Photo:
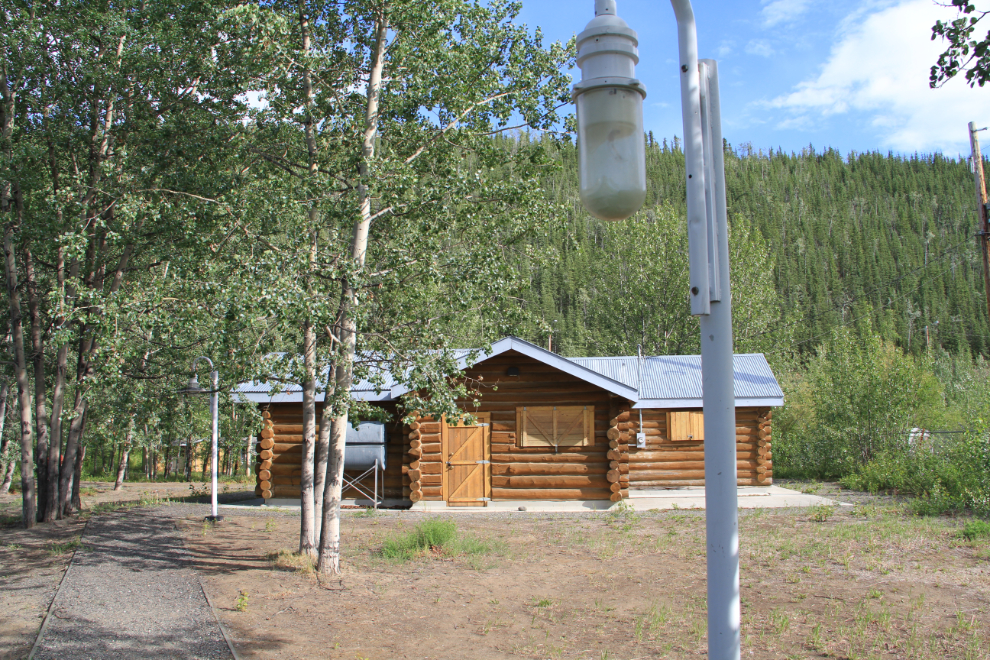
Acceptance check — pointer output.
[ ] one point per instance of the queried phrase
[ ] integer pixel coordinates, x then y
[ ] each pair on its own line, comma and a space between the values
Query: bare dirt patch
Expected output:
863, 582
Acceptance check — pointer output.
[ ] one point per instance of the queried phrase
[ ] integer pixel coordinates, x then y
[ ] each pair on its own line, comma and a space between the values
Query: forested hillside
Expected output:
865, 240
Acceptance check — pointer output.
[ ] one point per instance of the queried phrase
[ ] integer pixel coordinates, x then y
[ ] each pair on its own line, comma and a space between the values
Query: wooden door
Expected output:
467, 469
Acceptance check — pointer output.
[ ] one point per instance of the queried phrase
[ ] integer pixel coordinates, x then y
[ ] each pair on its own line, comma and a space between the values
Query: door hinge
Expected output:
482, 462
484, 499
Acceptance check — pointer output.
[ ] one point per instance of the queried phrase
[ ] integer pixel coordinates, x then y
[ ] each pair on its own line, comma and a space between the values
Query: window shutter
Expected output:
686, 426
555, 426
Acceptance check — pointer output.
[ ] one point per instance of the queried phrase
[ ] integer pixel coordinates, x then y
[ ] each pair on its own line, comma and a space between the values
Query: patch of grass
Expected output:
822, 512
241, 604
286, 560
975, 529
437, 537
57, 549
542, 602
369, 512
154, 498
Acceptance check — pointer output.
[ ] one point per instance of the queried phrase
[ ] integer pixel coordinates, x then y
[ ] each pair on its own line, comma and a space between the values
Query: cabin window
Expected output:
555, 426
686, 425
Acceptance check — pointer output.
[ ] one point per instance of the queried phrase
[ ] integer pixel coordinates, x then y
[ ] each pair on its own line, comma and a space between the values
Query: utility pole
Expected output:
983, 226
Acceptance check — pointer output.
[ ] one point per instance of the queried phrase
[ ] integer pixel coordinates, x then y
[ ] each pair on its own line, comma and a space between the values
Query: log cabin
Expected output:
546, 427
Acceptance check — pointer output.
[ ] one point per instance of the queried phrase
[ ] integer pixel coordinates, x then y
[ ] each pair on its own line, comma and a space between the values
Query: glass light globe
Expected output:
612, 151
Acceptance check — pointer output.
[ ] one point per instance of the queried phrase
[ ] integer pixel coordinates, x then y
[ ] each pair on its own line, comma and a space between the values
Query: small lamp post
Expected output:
609, 102
613, 186
194, 388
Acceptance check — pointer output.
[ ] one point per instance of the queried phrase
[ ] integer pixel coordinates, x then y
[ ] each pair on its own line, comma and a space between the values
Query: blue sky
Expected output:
852, 75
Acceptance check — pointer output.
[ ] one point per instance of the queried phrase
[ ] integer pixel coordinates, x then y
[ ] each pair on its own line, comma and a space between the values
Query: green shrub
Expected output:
975, 529
950, 478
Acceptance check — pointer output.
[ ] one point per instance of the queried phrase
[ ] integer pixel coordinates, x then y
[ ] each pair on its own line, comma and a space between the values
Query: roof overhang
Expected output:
750, 402
546, 357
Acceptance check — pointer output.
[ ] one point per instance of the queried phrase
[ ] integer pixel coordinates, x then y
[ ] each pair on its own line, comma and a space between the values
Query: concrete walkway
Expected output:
131, 593
750, 497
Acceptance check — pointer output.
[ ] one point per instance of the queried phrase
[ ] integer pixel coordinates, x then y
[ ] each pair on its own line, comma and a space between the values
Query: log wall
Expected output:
670, 464
520, 473
605, 470
280, 455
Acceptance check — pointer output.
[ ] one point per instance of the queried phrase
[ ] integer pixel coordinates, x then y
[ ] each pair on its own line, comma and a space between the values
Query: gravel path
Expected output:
131, 593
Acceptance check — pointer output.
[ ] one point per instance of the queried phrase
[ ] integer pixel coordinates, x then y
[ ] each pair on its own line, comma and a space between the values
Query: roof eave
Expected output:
741, 402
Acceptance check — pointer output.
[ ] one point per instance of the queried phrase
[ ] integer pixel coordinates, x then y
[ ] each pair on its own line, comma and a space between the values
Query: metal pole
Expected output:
721, 499
721, 496
983, 225
215, 412
697, 221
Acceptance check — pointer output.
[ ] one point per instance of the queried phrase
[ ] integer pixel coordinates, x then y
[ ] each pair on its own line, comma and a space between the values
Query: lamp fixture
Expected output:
609, 100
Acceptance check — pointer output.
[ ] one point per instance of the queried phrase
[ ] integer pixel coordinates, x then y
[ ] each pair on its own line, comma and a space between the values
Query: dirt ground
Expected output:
32, 562
868, 581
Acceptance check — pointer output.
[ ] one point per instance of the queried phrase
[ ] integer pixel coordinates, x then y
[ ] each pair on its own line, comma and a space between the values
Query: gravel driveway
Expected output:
131, 593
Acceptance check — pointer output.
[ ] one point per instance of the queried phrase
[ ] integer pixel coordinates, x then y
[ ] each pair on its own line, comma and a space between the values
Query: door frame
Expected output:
484, 420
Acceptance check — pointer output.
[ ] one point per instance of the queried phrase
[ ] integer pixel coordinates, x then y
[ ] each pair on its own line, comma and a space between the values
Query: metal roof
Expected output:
674, 381
667, 381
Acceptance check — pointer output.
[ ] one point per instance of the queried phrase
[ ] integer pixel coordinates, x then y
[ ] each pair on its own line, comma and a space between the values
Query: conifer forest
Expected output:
292, 195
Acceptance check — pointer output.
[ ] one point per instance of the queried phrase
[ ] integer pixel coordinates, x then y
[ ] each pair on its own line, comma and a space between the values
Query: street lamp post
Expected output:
607, 56
194, 388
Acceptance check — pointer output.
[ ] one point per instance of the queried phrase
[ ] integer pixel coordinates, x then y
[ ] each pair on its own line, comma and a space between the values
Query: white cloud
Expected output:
879, 69
759, 47
782, 11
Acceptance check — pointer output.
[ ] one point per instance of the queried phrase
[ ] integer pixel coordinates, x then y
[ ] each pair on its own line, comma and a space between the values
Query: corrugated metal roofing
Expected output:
679, 376
663, 382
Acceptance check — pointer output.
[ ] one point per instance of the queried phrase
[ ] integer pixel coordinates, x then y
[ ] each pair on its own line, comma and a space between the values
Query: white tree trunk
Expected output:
329, 562
307, 531
125, 455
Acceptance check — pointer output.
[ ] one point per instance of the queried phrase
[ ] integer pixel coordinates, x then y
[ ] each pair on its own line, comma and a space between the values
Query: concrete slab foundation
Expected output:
750, 497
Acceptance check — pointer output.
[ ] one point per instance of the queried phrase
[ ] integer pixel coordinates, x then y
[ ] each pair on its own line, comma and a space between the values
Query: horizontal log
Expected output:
265, 484
432, 492
268, 433
415, 452
286, 470
621, 417
666, 483
431, 448
615, 487
615, 497
581, 455
613, 434
265, 465
612, 476
414, 464
646, 456
550, 482
431, 467
634, 425
416, 486
432, 480
550, 493
613, 444
415, 474
514, 450
265, 454
545, 469
503, 437
416, 496
414, 435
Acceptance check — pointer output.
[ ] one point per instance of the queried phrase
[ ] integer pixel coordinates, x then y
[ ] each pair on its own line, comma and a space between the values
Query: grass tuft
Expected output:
435, 537
286, 560
56, 549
